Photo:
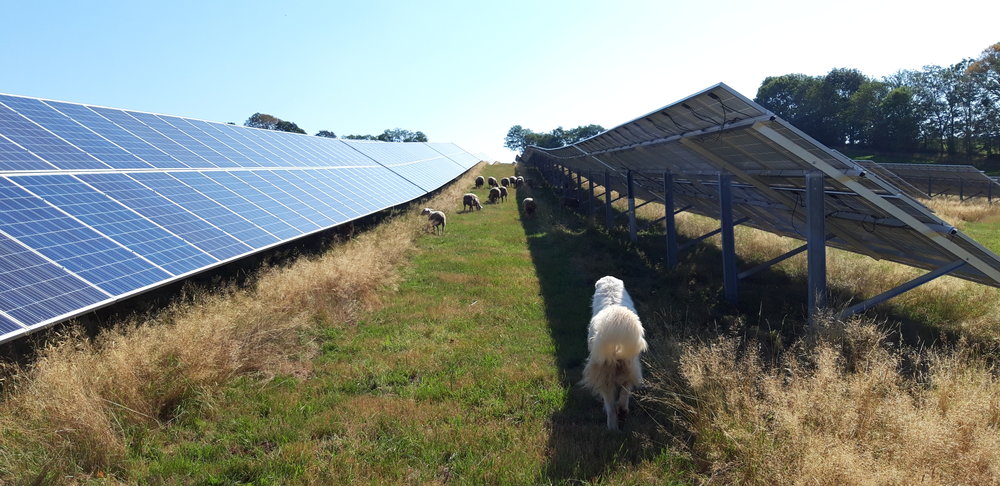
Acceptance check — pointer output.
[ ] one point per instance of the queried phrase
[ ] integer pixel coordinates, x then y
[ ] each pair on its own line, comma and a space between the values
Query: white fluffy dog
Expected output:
615, 339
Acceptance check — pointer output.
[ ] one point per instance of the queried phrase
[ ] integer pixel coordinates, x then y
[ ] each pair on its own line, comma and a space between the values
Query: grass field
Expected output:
403, 357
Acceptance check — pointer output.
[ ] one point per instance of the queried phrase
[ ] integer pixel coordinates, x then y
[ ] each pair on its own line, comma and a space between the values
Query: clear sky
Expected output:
462, 71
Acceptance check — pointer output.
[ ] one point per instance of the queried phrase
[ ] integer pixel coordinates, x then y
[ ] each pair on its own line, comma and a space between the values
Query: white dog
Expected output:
615, 338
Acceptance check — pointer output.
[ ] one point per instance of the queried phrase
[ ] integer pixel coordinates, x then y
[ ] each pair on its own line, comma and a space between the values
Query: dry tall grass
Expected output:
839, 407
79, 406
956, 212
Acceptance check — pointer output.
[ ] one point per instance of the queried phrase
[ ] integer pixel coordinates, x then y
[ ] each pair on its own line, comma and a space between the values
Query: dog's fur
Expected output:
615, 338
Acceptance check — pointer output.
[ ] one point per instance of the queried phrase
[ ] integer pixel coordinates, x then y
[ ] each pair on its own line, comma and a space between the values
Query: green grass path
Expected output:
466, 374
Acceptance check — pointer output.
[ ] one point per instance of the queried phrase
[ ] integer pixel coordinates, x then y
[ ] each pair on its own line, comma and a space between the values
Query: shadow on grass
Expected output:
570, 254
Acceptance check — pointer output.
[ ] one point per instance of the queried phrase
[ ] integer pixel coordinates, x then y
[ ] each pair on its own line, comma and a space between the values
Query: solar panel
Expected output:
931, 180
718, 131
99, 204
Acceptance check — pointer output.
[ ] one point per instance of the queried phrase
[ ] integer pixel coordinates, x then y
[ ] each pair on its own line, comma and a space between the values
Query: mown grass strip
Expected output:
467, 373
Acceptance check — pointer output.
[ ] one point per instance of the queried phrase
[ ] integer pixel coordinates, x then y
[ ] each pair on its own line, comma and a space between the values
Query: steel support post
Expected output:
632, 228
590, 200
671, 226
729, 270
816, 242
609, 217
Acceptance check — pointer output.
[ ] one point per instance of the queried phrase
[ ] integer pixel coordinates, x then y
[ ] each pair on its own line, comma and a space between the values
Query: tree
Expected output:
516, 138
269, 122
392, 135
581, 133
326, 133
287, 126
401, 135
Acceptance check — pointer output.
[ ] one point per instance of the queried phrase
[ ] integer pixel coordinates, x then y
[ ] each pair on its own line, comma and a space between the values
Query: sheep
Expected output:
529, 206
505, 181
494, 195
492, 181
480, 181
471, 201
503, 194
520, 181
435, 219
615, 338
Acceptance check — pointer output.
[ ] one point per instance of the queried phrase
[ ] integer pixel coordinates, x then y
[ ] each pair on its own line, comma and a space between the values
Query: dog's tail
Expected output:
619, 335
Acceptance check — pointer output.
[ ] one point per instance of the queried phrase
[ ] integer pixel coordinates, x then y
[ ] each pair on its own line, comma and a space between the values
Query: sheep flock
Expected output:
498, 192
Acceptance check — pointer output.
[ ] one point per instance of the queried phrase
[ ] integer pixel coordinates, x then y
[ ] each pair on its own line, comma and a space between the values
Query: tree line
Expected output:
943, 110
519, 137
953, 110
270, 122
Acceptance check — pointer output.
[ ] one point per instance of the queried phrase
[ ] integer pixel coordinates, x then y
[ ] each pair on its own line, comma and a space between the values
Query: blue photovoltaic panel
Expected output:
150, 156
100, 203
168, 215
238, 203
152, 137
69, 243
310, 193
116, 221
34, 290
230, 218
455, 153
213, 158
44, 144
13, 157
72, 132
224, 146
263, 183
294, 197
8, 326
255, 155
264, 201
414, 161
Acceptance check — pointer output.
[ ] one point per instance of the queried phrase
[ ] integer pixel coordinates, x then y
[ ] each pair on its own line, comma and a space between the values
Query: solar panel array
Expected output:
931, 180
720, 131
100, 204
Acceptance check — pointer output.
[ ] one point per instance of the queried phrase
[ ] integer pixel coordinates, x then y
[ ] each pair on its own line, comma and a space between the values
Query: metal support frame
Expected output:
608, 213
816, 243
632, 228
772, 262
668, 203
912, 284
729, 271
591, 207
710, 234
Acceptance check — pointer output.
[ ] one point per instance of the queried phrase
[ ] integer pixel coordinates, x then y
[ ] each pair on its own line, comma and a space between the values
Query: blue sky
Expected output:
461, 72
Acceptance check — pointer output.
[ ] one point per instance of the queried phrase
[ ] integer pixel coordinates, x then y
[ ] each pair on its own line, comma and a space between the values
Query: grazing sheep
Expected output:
480, 181
520, 181
505, 182
615, 338
503, 194
492, 181
471, 200
529, 206
494, 195
435, 219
